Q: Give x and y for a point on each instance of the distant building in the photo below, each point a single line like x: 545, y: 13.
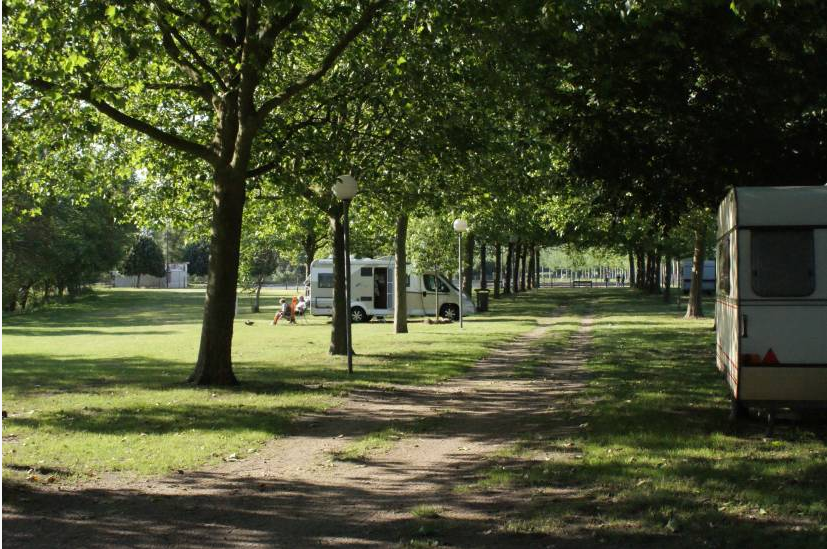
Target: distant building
x: 177, y: 276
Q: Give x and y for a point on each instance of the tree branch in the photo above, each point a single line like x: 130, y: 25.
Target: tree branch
x: 167, y: 138
x: 327, y: 63
x: 271, y: 32
x: 198, y: 59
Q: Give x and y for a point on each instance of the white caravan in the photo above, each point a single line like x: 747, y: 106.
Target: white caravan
x: 771, y: 305
x: 707, y: 278
x: 372, y: 294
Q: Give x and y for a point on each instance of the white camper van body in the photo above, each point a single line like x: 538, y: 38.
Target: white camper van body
x: 771, y: 305
x: 372, y: 293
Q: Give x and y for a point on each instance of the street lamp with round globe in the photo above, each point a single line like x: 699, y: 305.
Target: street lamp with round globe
x: 460, y: 226
x: 345, y: 189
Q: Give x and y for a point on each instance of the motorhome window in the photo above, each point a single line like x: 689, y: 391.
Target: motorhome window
x: 367, y: 271
x: 428, y: 281
x: 783, y: 262
x: 443, y: 285
x: 325, y: 280
x: 723, y: 265
x: 408, y: 281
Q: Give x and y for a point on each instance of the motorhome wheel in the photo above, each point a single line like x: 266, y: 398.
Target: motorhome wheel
x: 449, y: 311
x: 357, y: 314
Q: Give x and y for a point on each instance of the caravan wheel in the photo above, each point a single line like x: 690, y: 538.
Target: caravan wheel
x: 358, y: 314
x: 449, y: 311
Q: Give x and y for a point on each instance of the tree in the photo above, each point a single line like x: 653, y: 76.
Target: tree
x: 198, y: 78
x: 259, y: 260
x: 145, y: 257
x: 197, y: 254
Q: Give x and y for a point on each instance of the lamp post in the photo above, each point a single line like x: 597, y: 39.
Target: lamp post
x: 345, y: 189
x: 460, y: 226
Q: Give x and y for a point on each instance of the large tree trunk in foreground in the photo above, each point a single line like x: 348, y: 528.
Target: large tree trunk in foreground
x: 509, y: 261
x: 400, y: 314
x: 468, y: 267
x: 341, y: 308
x: 631, y: 269
x: 694, y: 308
x: 214, y: 366
x: 498, y: 258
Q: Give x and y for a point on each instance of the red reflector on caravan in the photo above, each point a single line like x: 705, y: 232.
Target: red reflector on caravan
x: 770, y: 358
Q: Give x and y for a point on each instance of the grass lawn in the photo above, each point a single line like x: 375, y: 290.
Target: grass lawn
x: 97, y: 386
x: 655, y: 461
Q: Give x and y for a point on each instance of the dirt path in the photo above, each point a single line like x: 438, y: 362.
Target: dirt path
x: 295, y: 494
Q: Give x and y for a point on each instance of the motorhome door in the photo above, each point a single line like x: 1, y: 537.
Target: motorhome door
x: 380, y: 288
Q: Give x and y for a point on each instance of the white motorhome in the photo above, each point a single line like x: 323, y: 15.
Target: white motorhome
x: 372, y: 292
x: 771, y: 305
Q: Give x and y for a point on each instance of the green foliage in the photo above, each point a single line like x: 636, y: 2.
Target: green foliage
x: 197, y: 254
x: 432, y: 244
x: 144, y: 257
x: 63, y: 245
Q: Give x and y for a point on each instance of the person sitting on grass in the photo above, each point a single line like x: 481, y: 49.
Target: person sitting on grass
x: 284, y: 311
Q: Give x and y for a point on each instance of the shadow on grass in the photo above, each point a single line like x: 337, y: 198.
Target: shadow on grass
x: 658, y: 454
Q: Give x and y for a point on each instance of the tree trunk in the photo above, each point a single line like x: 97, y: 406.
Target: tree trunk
x: 509, y: 257
x: 310, y: 246
x: 658, y: 278
x: 694, y: 308
x: 215, y: 364
x: 25, y: 292
x: 400, y: 314
x: 631, y: 269
x: 515, y: 272
x: 523, y: 253
x: 138, y: 281
x: 483, y: 272
x: 498, y: 258
x: 338, y: 333
x: 667, y: 286
x: 640, y: 281
x: 531, y: 267
x: 256, y: 301
x: 468, y: 267
x: 537, y: 268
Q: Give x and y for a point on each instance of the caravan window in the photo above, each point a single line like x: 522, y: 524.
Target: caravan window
x: 366, y: 271
x: 723, y: 265
x: 408, y: 281
x: 325, y: 280
x: 783, y: 262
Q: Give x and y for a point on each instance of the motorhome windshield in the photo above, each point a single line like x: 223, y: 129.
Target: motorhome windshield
x: 430, y: 285
x: 448, y: 282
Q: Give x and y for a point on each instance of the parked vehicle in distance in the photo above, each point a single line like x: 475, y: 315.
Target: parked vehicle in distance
x: 707, y: 278
x: 372, y: 291
x: 771, y: 304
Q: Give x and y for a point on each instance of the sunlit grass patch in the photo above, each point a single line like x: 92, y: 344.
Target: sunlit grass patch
x: 427, y: 511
